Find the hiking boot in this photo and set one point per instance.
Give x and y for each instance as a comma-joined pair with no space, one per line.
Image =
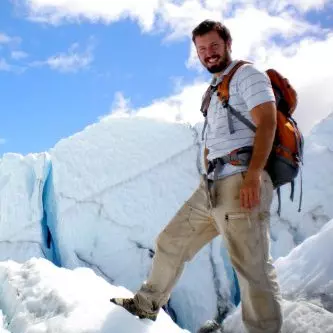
130,306
211,326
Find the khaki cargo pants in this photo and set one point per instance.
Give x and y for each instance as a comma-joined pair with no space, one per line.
247,238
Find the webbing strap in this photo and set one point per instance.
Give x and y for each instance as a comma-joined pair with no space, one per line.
299,143
203,129
301,192
278,192
230,123
292,190
206,100
205,105
241,118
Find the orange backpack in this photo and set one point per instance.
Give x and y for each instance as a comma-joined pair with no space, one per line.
286,157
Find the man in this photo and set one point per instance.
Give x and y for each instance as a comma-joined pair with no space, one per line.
243,195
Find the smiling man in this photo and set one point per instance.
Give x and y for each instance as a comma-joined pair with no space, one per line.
233,200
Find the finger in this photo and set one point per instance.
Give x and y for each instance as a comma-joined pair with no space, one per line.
246,199
254,198
257,196
241,198
250,198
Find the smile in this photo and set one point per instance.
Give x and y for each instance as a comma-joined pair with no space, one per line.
213,60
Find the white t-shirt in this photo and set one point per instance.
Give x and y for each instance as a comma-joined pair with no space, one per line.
248,88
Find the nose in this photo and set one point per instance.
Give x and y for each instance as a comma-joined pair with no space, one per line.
210,51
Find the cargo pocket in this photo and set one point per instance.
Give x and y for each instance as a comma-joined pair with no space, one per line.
243,231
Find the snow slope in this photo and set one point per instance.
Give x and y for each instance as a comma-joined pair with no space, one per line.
307,272
38,297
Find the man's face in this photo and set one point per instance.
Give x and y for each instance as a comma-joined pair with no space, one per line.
213,52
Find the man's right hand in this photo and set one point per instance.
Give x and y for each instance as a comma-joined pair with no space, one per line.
250,190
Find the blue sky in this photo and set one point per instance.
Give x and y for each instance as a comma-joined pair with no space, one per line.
59,74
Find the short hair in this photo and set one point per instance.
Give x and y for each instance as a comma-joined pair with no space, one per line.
209,25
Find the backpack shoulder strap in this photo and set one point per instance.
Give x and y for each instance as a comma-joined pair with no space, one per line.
223,93
223,88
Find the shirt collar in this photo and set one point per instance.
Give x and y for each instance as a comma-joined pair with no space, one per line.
217,80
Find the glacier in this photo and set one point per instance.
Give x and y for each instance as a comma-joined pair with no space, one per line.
89,211
22,180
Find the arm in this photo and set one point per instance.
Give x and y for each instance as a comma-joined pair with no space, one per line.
264,117
255,88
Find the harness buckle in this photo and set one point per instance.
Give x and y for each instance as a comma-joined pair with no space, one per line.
238,157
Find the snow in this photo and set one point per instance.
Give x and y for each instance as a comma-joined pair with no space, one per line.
94,205
317,209
312,260
38,297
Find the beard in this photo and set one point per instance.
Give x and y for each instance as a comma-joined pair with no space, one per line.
221,65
